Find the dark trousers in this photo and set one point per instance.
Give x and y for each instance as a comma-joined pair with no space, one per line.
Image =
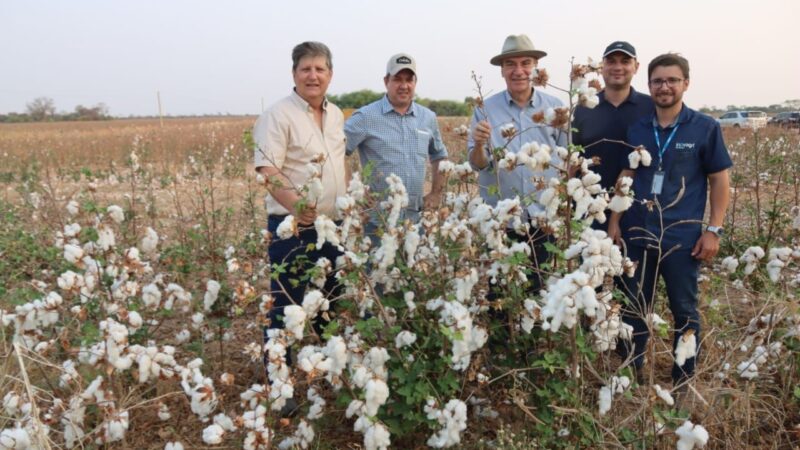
539,255
679,271
293,253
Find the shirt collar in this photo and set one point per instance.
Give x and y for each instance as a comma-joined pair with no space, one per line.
633,97
509,100
386,107
684,116
300,101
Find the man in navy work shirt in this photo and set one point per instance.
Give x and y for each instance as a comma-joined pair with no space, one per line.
515,107
399,136
689,155
620,106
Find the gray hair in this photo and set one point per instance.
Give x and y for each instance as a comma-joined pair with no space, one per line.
311,48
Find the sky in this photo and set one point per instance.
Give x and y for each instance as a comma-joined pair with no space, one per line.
234,57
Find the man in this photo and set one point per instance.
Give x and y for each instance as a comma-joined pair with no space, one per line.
297,139
398,135
663,229
620,106
515,107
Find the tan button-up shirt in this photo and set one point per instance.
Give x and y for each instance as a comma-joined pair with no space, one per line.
288,138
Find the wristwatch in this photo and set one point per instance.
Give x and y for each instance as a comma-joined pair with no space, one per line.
719,231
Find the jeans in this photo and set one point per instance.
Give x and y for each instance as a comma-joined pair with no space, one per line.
293,252
679,271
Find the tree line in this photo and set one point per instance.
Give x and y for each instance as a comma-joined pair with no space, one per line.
43,109
443,108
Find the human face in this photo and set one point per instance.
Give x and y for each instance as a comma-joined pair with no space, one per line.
517,73
312,78
664,95
618,70
400,88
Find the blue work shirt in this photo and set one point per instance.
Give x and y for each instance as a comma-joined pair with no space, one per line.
396,143
696,151
606,121
502,110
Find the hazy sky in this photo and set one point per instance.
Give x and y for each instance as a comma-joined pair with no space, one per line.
226,56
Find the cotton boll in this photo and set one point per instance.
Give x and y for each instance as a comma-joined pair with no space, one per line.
149,242
15,439
376,393
686,348
212,434
691,436
294,320
664,395
751,257
116,213
287,228
604,400
73,208
377,437
212,292
730,263
404,339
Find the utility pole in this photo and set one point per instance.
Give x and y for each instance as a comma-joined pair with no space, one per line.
160,111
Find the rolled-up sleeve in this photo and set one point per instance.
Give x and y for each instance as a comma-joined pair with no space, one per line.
271,138
436,149
354,131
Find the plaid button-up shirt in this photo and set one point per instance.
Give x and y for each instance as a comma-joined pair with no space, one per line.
396,143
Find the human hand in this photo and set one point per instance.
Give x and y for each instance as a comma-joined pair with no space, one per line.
706,247
432,201
481,133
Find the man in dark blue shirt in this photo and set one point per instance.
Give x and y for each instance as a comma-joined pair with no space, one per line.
663,229
620,106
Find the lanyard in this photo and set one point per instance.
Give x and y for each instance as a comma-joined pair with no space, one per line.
662,150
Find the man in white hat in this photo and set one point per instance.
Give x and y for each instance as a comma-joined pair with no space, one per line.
515,108
399,136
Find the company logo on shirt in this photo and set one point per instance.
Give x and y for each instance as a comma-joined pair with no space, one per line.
684,145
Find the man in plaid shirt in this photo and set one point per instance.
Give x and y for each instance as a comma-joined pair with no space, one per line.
397,135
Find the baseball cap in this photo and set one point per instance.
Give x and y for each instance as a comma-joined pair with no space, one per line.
400,62
620,46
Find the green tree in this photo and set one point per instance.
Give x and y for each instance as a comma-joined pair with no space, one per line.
355,99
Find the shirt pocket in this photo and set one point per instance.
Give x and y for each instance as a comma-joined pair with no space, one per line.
684,164
423,140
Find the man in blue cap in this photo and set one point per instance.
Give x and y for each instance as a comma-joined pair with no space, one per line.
620,106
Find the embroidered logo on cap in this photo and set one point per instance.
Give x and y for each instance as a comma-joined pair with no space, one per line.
403,60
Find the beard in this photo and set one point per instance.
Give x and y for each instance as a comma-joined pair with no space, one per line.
667,101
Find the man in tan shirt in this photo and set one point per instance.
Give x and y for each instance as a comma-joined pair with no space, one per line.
300,150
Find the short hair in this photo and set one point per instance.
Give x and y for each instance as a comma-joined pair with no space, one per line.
669,59
311,48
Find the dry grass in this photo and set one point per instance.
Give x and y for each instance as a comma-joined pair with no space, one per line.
739,414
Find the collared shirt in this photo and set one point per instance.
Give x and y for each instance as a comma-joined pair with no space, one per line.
606,121
287,137
502,110
396,143
696,151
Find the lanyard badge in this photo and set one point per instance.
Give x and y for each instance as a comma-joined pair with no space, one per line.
658,177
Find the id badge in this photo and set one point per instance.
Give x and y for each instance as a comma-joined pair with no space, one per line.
658,182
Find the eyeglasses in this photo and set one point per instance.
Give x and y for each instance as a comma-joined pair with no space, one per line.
671,82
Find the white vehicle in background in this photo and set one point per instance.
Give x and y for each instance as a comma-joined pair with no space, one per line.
743,119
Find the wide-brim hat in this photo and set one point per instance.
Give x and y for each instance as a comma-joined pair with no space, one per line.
517,45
